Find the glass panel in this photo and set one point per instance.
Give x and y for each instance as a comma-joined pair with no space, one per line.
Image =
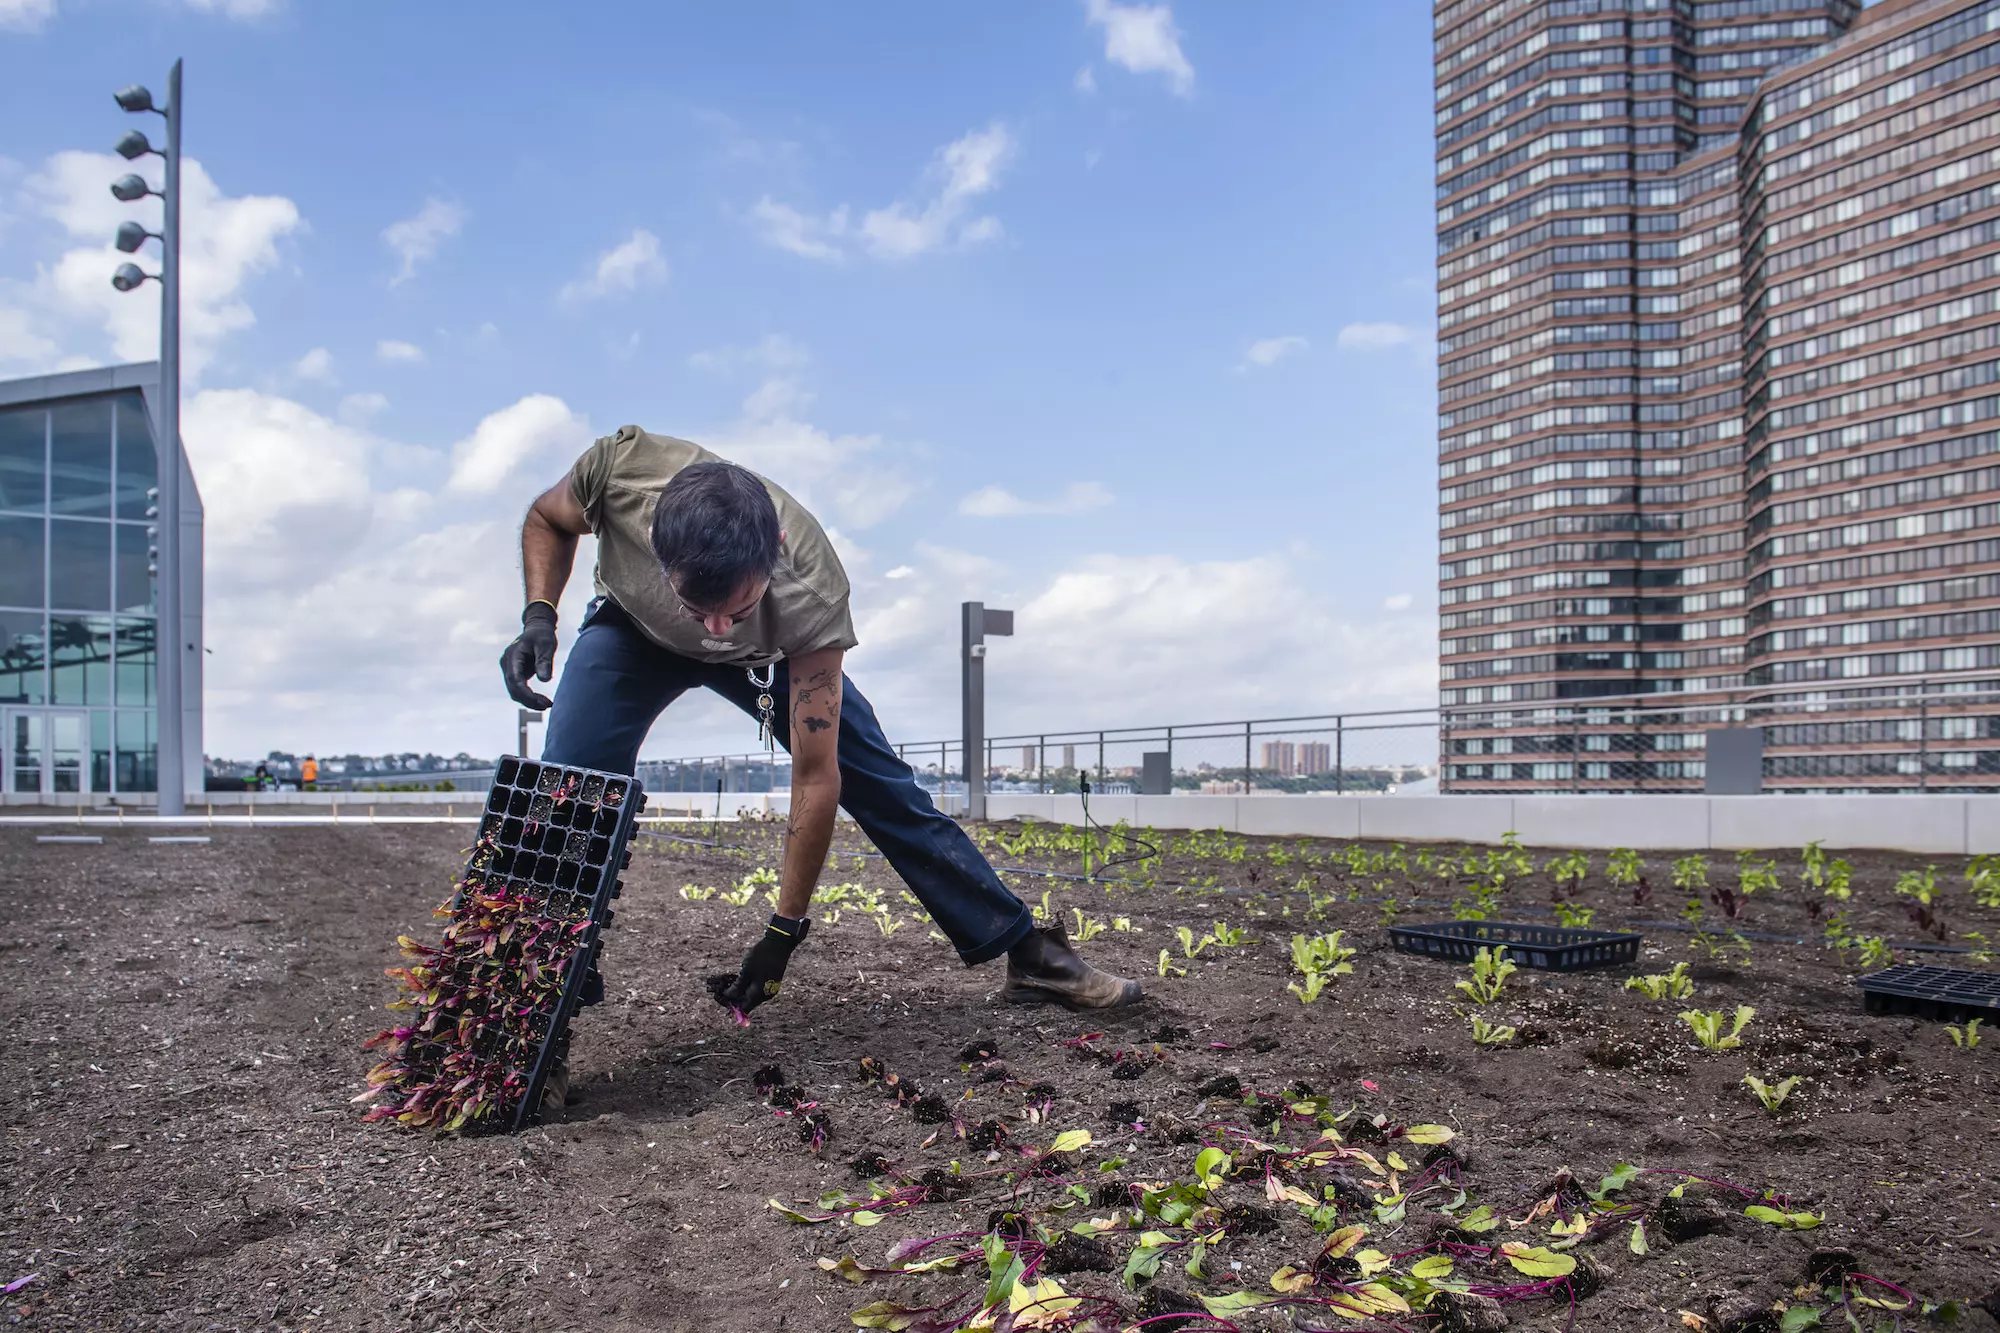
135,586
136,672
100,751
24,752
80,659
21,561
80,565
69,736
135,752
138,461
23,458
22,637
80,460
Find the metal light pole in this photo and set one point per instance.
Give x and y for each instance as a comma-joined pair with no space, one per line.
170,768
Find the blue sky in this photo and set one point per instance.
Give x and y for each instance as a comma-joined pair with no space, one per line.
1116,313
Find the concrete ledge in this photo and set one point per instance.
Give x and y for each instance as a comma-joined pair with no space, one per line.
1944,825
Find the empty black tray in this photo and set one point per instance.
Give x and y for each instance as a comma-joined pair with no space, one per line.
1949,994
1549,948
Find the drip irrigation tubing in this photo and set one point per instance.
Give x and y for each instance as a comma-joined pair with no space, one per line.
1679,927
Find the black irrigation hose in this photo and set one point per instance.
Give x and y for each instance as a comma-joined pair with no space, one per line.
1680,927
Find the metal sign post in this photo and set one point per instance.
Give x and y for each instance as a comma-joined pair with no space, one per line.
977,623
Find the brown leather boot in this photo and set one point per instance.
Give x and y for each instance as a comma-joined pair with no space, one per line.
1044,969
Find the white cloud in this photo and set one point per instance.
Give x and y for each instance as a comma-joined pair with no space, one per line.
1115,640
315,365
899,572
774,352
1397,602
843,479
539,430
236,9
311,524
631,264
1085,80
358,409
227,241
940,218
1270,351
393,349
25,15
417,239
1081,497
1143,39
1374,337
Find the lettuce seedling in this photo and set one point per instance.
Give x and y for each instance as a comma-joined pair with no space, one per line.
1965,1036
1569,871
1982,876
1490,1034
1674,985
1087,928
1771,1094
1875,952
1490,970
1622,869
1815,866
1707,1027
1319,959
1574,916
1691,874
1167,963
1839,880
1754,875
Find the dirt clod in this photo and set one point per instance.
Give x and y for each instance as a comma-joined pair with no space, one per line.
1222,1085
1466,1313
1072,1253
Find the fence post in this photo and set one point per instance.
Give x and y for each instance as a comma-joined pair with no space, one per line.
1100,757
1576,752
1246,758
1923,735
1339,755
1444,751
1041,763
1170,761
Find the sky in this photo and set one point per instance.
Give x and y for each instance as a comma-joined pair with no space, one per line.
1119,315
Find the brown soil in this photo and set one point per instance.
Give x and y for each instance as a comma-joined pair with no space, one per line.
182,1030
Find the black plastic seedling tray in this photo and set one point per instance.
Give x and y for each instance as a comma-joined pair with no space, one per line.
1948,994
1548,948
562,835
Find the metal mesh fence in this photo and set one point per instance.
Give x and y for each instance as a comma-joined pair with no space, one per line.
1895,736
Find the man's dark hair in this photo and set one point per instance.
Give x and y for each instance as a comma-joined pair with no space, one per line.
714,529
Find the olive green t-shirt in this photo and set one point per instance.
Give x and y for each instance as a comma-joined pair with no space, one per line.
618,481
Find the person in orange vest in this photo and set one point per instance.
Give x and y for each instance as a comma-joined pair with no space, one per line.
308,773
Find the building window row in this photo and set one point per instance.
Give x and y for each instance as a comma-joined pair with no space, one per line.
1964,588
1933,40
1851,303
1958,449
1891,127
1891,495
1555,229
1600,136
1878,565
1937,383
1597,196
1902,325
1879,99
1531,73
1906,355
1562,113
1603,386
1950,625
1559,525
1909,527
1599,164
1915,662
1843,179
1933,214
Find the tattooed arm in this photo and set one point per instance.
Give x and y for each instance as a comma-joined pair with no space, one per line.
815,731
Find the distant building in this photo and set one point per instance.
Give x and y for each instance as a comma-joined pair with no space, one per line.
79,526
1282,758
1028,759
1069,756
1315,757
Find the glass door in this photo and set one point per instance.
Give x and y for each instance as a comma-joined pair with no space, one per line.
68,768
25,741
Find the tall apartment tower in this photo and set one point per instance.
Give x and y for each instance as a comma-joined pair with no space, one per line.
1714,281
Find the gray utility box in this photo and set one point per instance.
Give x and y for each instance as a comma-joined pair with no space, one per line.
1155,777
1735,764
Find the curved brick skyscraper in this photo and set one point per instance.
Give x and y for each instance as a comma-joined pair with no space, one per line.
1715,281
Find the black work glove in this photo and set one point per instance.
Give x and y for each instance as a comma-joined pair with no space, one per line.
763,967
533,654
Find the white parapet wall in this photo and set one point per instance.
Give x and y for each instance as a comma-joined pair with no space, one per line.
1933,824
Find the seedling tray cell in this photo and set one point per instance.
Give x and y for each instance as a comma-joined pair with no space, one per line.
1548,948
557,837
1948,994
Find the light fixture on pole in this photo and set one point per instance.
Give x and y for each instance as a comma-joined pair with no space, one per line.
171,636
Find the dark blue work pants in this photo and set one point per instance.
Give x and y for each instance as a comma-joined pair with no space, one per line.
617,681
